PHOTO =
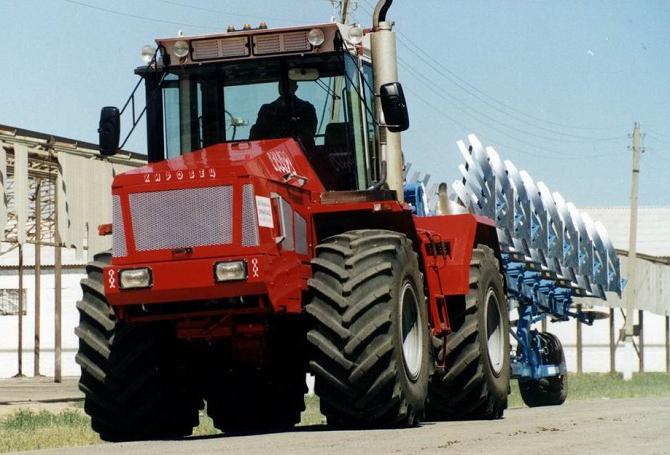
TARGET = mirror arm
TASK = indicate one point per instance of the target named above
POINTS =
(131, 98)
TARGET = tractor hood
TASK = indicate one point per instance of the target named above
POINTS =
(274, 159)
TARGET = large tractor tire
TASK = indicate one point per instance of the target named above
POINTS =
(550, 391)
(247, 399)
(475, 383)
(134, 384)
(369, 336)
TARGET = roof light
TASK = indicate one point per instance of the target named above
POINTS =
(231, 28)
(246, 27)
(263, 26)
(316, 37)
(356, 35)
(181, 48)
(148, 53)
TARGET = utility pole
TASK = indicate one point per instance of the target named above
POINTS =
(631, 294)
(38, 273)
(21, 306)
(344, 12)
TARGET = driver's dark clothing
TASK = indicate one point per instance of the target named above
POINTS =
(285, 118)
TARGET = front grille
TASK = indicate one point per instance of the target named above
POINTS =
(182, 218)
(118, 232)
(249, 224)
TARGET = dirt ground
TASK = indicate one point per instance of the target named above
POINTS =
(37, 394)
(621, 426)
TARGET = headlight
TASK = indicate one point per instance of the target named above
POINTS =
(135, 278)
(181, 48)
(230, 271)
(316, 37)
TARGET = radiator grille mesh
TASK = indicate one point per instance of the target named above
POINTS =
(118, 232)
(249, 223)
(182, 218)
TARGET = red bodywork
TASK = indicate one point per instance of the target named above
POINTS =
(277, 276)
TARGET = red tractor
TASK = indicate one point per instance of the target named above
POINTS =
(268, 237)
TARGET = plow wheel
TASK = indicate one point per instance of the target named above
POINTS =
(476, 382)
(369, 334)
(134, 383)
(550, 391)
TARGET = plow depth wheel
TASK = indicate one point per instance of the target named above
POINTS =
(369, 330)
(550, 391)
(475, 383)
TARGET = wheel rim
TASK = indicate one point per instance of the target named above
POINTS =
(494, 332)
(412, 351)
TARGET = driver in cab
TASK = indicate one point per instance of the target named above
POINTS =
(287, 116)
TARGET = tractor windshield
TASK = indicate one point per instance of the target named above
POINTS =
(318, 100)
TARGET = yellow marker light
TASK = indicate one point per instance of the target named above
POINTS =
(230, 271)
(135, 278)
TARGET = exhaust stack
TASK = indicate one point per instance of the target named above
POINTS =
(385, 65)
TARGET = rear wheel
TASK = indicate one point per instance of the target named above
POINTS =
(135, 379)
(550, 391)
(369, 333)
(475, 383)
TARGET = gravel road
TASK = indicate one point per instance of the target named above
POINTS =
(640, 426)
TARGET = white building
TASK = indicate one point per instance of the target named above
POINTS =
(72, 271)
(653, 288)
(45, 168)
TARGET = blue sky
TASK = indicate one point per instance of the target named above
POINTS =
(553, 86)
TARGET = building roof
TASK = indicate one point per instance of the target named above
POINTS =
(65, 140)
(653, 227)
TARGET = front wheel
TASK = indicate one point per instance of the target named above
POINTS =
(136, 380)
(369, 336)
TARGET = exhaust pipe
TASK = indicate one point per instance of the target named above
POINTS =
(385, 66)
(379, 14)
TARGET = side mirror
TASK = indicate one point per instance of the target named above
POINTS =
(109, 130)
(394, 106)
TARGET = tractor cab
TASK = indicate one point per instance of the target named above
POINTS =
(313, 84)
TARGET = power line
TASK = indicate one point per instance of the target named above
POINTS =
(468, 107)
(552, 155)
(218, 11)
(656, 138)
(438, 67)
(481, 95)
(427, 83)
(653, 132)
(137, 16)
